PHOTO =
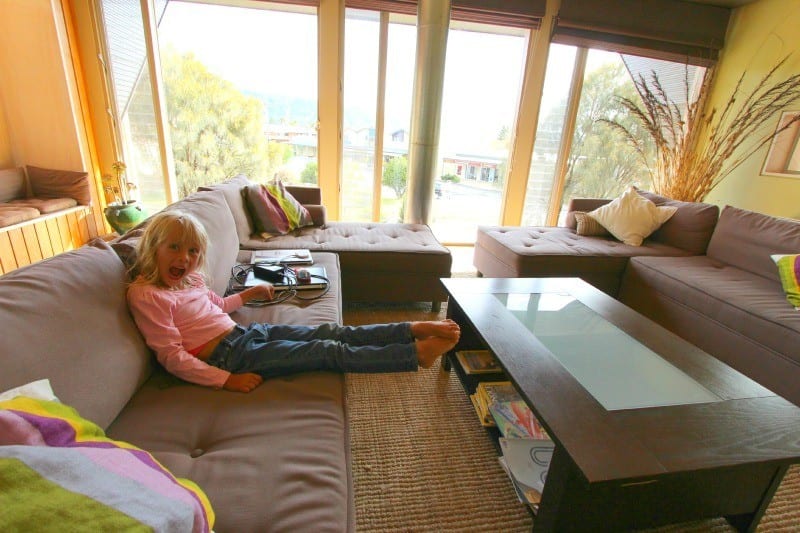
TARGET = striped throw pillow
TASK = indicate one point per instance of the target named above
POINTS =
(274, 210)
(586, 225)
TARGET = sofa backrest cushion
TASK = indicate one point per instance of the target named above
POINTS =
(66, 319)
(211, 209)
(50, 183)
(232, 189)
(747, 240)
(691, 226)
(12, 184)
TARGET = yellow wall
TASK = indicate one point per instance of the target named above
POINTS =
(6, 159)
(759, 36)
(39, 107)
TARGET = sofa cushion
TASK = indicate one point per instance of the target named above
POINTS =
(274, 459)
(212, 211)
(45, 205)
(12, 184)
(66, 319)
(747, 240)
(631, 218)
(742, 301)
(789, 272)
(51, 183)
(15, 214)
(513, 251)
(690, 228)
(233, 190)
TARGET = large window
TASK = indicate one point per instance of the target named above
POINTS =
(131, 104)
(483, 73)
(240, 90)
(598, 162)
(237, 100)
(370, 193)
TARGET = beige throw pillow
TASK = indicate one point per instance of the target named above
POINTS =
(588, 226)
(631, 218)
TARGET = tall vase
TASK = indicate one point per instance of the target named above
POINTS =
(123, 217)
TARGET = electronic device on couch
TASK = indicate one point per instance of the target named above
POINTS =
(283, 278)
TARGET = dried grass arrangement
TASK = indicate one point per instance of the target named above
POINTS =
(696, 148)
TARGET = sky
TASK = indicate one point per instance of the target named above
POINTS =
(275, 52)
(269, 51)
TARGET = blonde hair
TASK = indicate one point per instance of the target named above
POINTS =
(155, 234)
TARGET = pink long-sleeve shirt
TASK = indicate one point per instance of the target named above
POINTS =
(175, 321)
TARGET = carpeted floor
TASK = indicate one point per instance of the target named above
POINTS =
(422, 462)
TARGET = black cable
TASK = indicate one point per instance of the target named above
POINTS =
(238, 278)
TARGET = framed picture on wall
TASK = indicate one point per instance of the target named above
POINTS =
(783, 158)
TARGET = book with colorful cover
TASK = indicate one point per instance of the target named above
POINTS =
(478, 362)
(496, 391)
(488, 392)
(515, 419)
(483, 414)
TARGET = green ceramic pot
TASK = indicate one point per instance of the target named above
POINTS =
(124, 217)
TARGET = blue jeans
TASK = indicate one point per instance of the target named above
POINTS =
(278, 350)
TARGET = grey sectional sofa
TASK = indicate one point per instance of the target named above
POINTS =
(707, 277)
(729, 301)
(276, 459)
(380, 262)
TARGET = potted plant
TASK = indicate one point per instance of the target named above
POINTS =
(123, 213)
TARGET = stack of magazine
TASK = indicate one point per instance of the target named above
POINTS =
(526, 447)
(478, 362)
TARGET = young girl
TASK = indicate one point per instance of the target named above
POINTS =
(188, 326)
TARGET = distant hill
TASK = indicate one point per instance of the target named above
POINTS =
(287, 109)
(303, 111)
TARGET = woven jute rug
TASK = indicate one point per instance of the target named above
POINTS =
(422, 462)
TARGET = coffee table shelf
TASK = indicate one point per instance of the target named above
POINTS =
(627, 459)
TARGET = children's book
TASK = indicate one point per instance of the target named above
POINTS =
(515, 419)
(478, 362)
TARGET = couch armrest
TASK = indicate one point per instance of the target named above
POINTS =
(306, 195)
(318, 214)
(582, 204)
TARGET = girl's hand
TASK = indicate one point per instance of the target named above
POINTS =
(243, 382)
(262, 291)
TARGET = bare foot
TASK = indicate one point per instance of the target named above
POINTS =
(446, 329)
(431, 349)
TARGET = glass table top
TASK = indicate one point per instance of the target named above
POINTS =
(616, 369)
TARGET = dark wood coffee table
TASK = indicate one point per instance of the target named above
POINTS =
(649, 430)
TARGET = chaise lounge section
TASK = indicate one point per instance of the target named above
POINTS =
(529, 251)
(380, 262)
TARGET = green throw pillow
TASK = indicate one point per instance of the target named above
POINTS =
(789, 272)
